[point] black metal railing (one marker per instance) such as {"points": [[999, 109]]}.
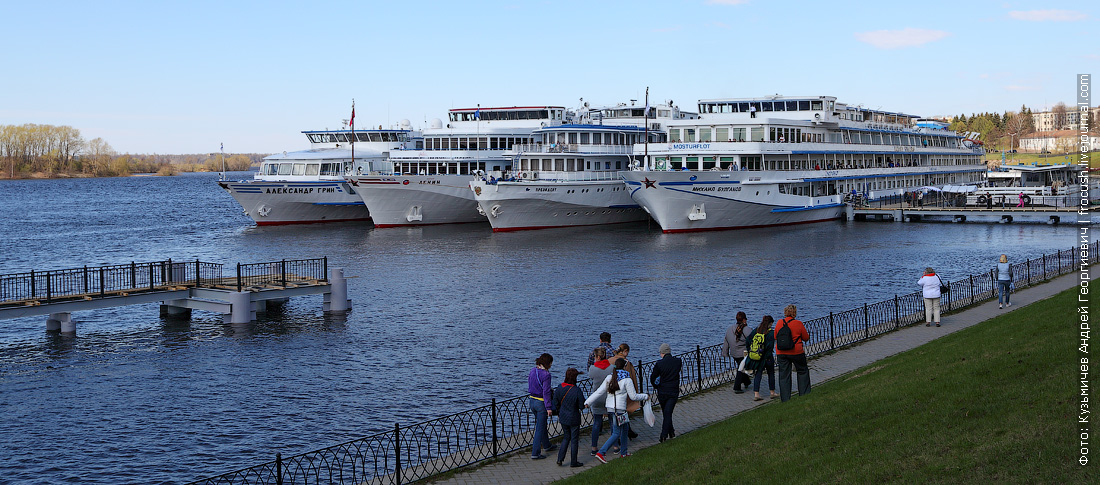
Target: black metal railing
{"points": [[64, 284], [439, 445], [281, 273]]}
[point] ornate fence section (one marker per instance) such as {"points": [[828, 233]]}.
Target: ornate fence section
{"points": [[439, 445], [281, 273], [50, 286]]}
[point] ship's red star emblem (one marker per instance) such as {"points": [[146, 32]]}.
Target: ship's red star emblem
{"points": [[649, 183]]}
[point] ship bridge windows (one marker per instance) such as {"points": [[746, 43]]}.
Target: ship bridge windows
{"points": [[506, 114], [270, 169], [285, 168]]}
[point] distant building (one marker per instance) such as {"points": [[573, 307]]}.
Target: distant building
{"points": [[1045, 121], [1060, 141]]}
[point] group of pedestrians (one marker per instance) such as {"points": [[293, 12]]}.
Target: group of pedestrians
{"points": [[933, 289], [759, 349], [756, 350]]}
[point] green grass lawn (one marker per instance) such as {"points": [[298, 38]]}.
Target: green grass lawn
{"points": [[995, 402], [1045, 158]]}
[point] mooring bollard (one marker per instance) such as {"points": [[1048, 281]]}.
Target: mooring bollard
{"points": [[336, 300]]}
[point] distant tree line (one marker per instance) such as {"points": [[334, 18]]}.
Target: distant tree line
{"points": [[60, 150], [1002, 131]]}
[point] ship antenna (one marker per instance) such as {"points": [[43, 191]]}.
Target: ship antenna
{"points": [[645, 158], [352, 133]]}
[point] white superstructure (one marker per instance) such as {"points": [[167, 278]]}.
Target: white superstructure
{"points": [[308, 186], [429, 184], [570, 175], [780, 160]]}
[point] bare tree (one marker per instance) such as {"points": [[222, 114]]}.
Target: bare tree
{"points": [[1016, 126], [1059, 112]]}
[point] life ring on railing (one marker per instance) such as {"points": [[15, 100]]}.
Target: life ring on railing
{"points": [[982, 200], [1027, 200], [523, 175]]}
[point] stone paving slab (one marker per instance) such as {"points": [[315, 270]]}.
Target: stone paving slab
{"points": [[721, 403]]}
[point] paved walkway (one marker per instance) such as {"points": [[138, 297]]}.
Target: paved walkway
{"points": [[698, 411]]}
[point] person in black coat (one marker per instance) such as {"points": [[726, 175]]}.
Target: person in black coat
{"points": [[666, 379], [568, 401]]}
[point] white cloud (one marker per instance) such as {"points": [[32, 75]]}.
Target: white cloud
{"points": [[894, 39], [727, 2], [1048, 15]]}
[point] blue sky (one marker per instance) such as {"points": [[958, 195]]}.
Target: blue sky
{"points": [[182, 77]]}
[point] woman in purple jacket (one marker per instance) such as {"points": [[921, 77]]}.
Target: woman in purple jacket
{"points": [[540, 399]]}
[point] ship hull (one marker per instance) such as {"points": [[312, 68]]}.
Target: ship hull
{"points": [[280, 203]]}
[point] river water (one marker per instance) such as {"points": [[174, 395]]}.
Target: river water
{"points": [[444, 318]]}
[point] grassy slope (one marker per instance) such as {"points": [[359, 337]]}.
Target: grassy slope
{"points": [[1046, 158], [995, 402]]}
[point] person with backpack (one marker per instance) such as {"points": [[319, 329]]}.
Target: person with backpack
{"points": [[760, 343], [734, 347], [568, 402], [789, 336], [615, 390], [1004, 282], [931, 283], [666, 379]]}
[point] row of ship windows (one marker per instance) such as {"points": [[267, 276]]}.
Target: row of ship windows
{"points": [[806, 162], [594, 138], [909, 182], [567, 164], [511, 114], [634, 113], [302, 169], [748, 107], [394, 137], [474, 143], [704, 134]]}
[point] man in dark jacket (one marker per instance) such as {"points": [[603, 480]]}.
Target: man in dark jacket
{"points": [[666, 379], [568, 401]]}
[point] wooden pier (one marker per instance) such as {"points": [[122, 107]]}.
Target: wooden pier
{"points": [[179, 286], [1003, 215]]}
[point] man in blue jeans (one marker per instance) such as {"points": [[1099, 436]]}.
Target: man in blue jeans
{"points": [[666, 379]]}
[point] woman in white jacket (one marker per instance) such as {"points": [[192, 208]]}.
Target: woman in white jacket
{"points": [[615, 390], [930, 284]]}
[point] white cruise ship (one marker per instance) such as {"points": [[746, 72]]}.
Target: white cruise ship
{"points": [[308, 186], [570, 176], [430, 184], [788, 160]]}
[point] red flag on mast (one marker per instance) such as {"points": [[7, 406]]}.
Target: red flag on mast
{"points": [[353, 116]]}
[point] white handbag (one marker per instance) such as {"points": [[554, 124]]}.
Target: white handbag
{"points": [[647, 412]]}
